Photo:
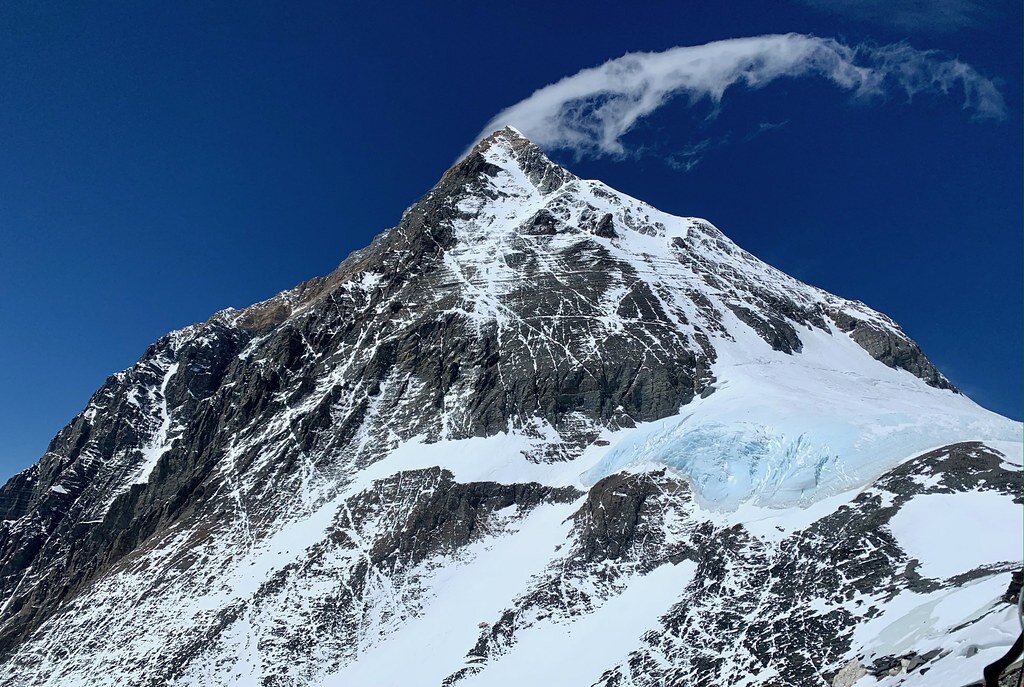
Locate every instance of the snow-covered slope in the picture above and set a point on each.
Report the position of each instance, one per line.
(539, 430)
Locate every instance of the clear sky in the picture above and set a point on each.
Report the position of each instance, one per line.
(161, 161)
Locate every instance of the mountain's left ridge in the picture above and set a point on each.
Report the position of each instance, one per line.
(531, 380)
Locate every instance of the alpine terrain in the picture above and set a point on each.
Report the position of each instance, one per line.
(537, 433)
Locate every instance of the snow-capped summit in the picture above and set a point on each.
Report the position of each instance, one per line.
(537, 430)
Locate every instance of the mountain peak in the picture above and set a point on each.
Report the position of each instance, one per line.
(533, 380)
(507, 148)
(507, 135)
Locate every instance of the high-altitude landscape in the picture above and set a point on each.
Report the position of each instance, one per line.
(538, 432)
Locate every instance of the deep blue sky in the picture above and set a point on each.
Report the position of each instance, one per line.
(161, 162)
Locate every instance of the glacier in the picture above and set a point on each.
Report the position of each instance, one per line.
(782, 430)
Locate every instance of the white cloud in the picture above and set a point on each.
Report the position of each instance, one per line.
(590, 111)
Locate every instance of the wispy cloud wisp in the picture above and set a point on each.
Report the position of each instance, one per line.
(590, 111)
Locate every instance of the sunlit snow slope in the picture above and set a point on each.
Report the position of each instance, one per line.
(538, 432)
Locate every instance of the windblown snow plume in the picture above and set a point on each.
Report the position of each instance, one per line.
(591, 110)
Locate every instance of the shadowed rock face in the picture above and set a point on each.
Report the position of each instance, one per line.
(890, 348)
(221, 482)
(443, 515)
(610, 520)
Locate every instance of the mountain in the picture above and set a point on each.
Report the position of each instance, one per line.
(538, 432)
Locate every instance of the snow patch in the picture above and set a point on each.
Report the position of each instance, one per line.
(159, 443)
(591, 643)
(955, 533)
(493, 573)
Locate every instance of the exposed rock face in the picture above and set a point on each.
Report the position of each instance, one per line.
(891, 348)
(384, 462)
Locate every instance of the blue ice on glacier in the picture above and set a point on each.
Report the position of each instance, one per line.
(729, 464)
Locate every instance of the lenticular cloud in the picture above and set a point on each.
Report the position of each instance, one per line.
(591, 110)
